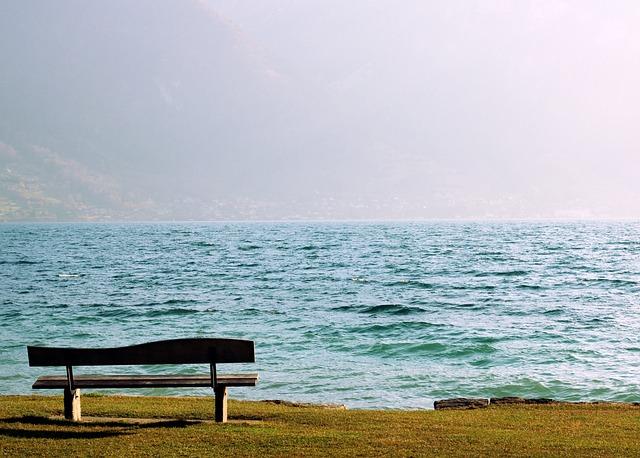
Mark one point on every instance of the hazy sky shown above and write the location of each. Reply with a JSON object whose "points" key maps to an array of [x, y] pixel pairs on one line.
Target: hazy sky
{"points": [[339, 109], [527, 103]]}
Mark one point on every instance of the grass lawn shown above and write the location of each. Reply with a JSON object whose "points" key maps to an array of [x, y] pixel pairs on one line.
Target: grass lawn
{"points": [[31, 426]]}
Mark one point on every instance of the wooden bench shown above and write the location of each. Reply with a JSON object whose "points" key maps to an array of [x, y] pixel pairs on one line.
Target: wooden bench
{"points": [[177, 351]]}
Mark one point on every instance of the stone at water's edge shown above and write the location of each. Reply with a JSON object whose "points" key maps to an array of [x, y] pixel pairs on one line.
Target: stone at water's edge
{"points": [[461, 403], [477, 403]]}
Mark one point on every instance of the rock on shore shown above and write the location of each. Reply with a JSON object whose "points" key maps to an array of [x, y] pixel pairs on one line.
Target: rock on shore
{"points": [[461, 403], [478, 403]]}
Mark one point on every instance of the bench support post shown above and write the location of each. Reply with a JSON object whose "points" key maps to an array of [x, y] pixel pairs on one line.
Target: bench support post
{"points": [[220, 392], [72, 404]]}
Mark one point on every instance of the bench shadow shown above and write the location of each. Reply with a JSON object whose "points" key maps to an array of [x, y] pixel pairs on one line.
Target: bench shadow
{"points": [[81, 430], [54, 434]]}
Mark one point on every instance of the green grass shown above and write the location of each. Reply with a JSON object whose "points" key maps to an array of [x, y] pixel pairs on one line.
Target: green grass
{"points": [[29, 427]]}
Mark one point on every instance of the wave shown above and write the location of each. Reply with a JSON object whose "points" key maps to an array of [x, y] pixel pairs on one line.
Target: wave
{"points": [[202, 244], [178, 301], [253, 311], [344, 308], [412, 284], [118, 312], [478, 350], [20, 262], [391, 309], [389, 328], [125, 312], [471, 350], [391, 349], [472, 287], [249, 247], [503, 273], [112, 305], [619, 281], [490, 253], [64, 275], [381, 309], [247, 264], [531, 287], [180, 311]]}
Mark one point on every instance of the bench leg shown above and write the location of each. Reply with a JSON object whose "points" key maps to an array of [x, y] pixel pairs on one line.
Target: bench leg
{"points": [[72, 404], [221, 403]]}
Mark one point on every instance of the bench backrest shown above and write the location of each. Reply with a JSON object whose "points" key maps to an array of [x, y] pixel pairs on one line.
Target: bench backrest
{"points": [[176, 351]]}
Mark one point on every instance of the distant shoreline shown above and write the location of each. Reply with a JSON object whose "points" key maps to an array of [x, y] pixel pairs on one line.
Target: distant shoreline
{"points": [[333, 221]]}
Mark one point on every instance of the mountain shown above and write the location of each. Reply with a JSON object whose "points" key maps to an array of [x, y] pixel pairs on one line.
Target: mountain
{"points": [[126, 109]]}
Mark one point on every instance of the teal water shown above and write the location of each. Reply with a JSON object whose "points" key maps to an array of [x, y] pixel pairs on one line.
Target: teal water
{"points": [[365, 314]]}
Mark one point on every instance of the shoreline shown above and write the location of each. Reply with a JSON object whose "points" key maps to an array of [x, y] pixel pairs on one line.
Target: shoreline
{"points": [[458, 403]]}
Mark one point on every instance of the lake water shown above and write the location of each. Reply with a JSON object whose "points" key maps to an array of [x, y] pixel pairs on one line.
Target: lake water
{"points": [[366, 314]]}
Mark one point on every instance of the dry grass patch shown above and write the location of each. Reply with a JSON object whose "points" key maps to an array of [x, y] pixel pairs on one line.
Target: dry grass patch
{"points": [[182, 426]]}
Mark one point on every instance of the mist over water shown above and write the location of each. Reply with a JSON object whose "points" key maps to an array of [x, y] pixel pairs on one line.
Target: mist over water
{"points": [[365, 314]]}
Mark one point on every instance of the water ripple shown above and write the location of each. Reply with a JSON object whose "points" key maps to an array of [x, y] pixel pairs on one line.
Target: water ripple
{"points": [[427, 310]]}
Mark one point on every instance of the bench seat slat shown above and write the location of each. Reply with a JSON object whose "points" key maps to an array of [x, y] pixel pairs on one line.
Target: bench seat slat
{"points": [[144, 381]]}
